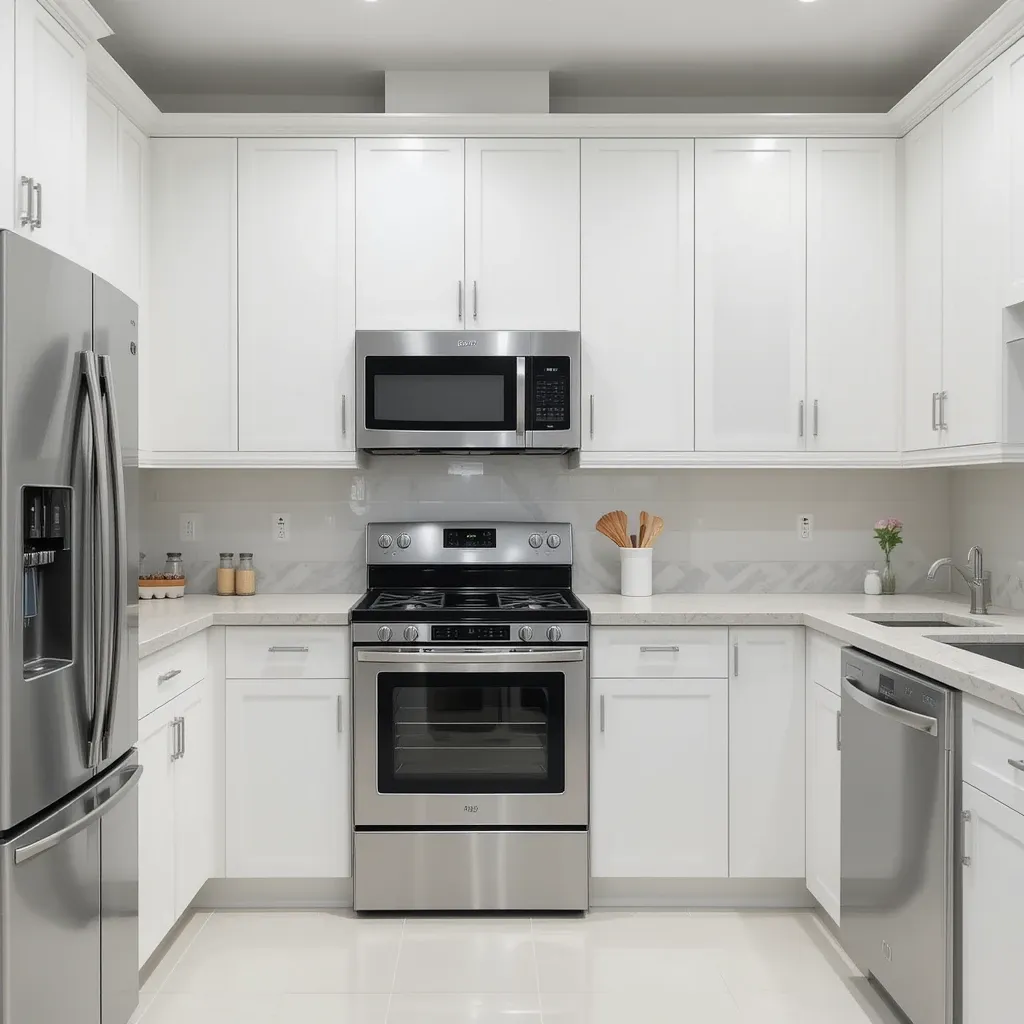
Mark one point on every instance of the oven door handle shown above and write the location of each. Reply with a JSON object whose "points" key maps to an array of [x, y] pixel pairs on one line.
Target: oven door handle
{"points": [[485, 656]]}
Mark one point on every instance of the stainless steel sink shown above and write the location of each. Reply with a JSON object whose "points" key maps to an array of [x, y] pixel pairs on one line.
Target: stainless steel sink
{"points": [[921, 621], [1010, 652]]}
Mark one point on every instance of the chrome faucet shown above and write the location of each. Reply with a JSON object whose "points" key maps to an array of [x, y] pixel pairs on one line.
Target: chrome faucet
{"points": [[978, 580]]}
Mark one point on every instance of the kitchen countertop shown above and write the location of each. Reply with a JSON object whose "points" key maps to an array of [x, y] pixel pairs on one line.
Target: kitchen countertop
{"points": [[165, 622]]}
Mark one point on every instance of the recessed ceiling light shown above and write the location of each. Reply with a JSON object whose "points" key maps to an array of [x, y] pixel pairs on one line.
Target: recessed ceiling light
{"points": [[807, 1]]}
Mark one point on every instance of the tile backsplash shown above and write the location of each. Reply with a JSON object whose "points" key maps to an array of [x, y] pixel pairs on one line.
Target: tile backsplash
{"points": [[727, 531]]}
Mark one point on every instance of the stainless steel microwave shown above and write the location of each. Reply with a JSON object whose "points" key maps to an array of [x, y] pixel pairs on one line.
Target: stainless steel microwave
{"points": [[516, 391]]}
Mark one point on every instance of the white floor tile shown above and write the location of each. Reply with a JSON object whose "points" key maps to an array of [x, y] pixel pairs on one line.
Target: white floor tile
{"points": [[639, 1008], [331, 1009], [188, 934], [475, 961], [466, 1008], [144, 1001], [178, 1008]]}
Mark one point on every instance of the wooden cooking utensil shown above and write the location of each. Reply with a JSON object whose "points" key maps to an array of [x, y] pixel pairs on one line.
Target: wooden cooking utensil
{"points": [[657, 525], [643, 530], [610, 525], [623, 521]]}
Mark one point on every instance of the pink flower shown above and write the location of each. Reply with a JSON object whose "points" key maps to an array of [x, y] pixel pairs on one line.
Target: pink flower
{"points": [[889, 524]]}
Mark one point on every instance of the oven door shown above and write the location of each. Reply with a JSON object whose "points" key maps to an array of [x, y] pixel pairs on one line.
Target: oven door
{"points": [[470, 738], [441, 389]]}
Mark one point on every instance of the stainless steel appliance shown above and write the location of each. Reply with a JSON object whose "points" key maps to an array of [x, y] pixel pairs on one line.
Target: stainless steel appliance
{"points": [[899, 772], [68, 690], [470, 697], [513, 391]]}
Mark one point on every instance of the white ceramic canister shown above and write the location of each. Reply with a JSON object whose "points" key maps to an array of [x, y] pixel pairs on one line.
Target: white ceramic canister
{"points": [[637, 571], [873, 583]]}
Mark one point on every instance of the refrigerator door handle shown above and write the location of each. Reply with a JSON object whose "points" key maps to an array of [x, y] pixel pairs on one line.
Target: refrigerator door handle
{"points": [[104, 590], [119, 599], [129, 780]]}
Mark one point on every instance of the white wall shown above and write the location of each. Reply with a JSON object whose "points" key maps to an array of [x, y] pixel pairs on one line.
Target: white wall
{"points": [[988, 509], [726, 530]]}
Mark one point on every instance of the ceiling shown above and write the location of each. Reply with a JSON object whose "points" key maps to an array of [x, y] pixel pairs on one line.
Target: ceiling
{"points": [[871, 50]]}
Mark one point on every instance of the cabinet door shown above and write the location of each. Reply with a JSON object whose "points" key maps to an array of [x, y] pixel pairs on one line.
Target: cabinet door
{"points": [[852, 339], [50, 122], [750, 294], [296, 281], [194, 818], [410, 234], [973, 216], [157, 828], [637, 294], [1013, 125], [132, 159], [193, 328], [993, 907], [659, 789], [288, 791], [523, 234], [101, 185], [766, 753], [922, 276], [9, 191], [824, 794]]}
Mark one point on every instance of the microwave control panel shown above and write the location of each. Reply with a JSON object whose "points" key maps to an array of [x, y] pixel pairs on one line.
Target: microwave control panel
{"points": [[550, 393]]}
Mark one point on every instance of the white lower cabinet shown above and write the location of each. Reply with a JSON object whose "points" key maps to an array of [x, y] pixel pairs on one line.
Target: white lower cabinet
{"points": [[824, 793], [288, 799], [176, 811], [660, 778], [766, 752], [993, 908]]}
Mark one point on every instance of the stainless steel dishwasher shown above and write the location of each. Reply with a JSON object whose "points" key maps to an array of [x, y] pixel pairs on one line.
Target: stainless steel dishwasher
{"points": [[899, 771]]}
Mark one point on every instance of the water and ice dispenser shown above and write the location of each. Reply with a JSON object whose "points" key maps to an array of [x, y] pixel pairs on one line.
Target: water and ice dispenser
{"points": [[48, 581]]}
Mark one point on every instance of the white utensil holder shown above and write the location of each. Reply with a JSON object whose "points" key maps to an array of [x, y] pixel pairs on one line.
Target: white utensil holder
{"points": [[637, 572]]}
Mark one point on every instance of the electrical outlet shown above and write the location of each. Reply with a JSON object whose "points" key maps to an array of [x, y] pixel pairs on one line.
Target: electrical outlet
{"points": [[281, 527], [805, 527], [191, 523]]}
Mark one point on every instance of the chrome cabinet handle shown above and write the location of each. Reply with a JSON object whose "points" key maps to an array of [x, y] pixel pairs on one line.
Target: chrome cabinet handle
{"points": [[1018, 765], [736, 659], [176, 743], [163, 677], [668, 649], [839, 730], [182, 737], [943, 425], [602, 712], [965, 857], [460, 302], [25, 212], [801, 418], [344, 415], [37, 219], [935, 402], [475, 302], [341, 726], [815, 417], [591, 417], [288, 650]]}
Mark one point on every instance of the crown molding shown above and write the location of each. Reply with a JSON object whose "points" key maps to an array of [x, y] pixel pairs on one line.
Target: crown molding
{"points": [[117, 85], [80, 18], [995, 35]]}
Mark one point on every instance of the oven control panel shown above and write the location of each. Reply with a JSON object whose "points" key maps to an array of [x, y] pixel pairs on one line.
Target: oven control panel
{"points": [[469, 544], [471, 633]]}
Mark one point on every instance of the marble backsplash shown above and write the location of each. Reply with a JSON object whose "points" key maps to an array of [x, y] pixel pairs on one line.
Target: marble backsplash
{"points": [[727, 531]]}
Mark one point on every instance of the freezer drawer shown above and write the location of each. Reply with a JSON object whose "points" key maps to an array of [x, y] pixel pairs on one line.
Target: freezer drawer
{"points": [[69, 909]]}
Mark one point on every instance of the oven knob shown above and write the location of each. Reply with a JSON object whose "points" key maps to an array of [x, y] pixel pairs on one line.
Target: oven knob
{"points": [[384, 634], [526, 632], [412, 633], [554, 633], [404, 540], [554, 540], [385, 540], [536, 540]]}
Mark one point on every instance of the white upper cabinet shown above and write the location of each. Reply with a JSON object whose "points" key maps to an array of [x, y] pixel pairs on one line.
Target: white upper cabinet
{"points": [[130, 206], [523, 234], [922, 276], [853, 365], [974, 212], [8, 192], [296, 280], [410, 234], [750, 294], [637, 294], [1013, 125], [50, 126], [766, 753], [102, 186], [193, 328]]}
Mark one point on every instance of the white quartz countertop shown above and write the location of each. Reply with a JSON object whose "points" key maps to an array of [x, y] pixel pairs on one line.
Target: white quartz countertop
{"points": [[165, 622]]}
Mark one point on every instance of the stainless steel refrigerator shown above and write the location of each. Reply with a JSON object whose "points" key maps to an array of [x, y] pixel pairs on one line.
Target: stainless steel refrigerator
{"points": [[69, 648]]}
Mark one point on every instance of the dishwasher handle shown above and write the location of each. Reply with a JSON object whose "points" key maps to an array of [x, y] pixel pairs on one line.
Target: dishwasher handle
{"points": [[911, 719]]}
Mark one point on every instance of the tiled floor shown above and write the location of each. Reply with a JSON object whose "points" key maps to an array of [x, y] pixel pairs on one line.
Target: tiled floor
{"points": [[607, 968]]}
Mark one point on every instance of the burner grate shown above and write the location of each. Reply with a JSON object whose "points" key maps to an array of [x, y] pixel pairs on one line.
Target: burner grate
{"points": [[533, 600], [408, 601]]}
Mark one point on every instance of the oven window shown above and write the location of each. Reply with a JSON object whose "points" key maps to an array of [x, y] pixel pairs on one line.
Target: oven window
{"points": [[493, 733], [440, 393]]}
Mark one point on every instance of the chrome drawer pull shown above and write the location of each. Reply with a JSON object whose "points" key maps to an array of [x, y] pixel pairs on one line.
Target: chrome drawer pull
{"points": [[965, 857], [1019, 765], [672, 649], [602, 712], [168, 675], [288, 650]]}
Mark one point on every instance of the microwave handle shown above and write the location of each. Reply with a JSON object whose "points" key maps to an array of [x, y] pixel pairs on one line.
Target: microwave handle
{"points": [[521, 401]]}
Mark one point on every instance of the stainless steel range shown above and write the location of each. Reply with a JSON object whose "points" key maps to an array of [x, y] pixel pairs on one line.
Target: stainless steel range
{"points": [[470, 694]]}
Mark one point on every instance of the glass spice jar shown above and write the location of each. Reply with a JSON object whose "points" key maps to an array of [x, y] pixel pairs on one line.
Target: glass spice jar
{"points": [[245, 575], [226, 574], [175, 566]]}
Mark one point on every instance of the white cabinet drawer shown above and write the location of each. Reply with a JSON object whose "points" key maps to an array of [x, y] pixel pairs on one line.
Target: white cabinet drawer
{"points": [[288, 652], [824, 661], [992, 739], [659, 652], [168, 672]]}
